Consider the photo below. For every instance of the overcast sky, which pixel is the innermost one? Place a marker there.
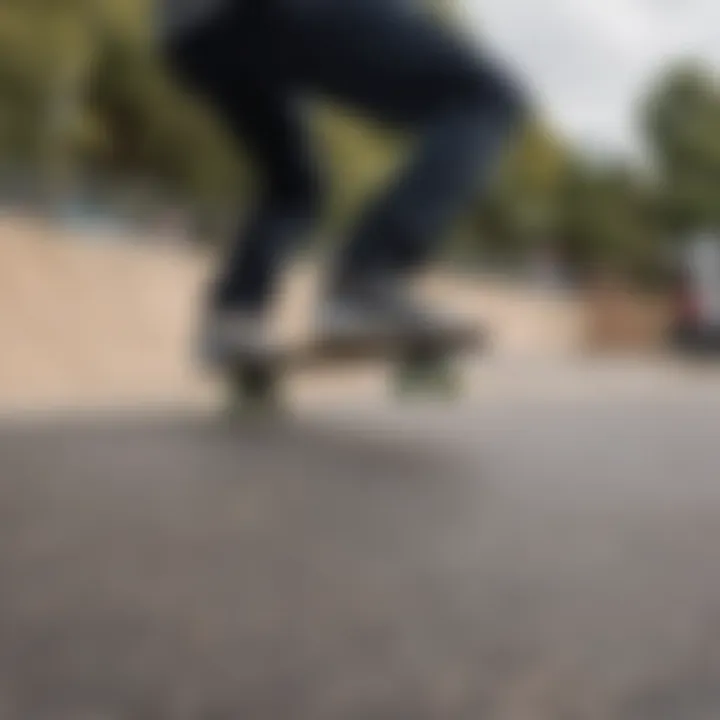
(587, 60)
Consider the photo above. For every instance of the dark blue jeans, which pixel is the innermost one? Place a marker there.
(257, 62)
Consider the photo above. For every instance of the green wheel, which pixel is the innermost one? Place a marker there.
(253, 390)
(427, 377)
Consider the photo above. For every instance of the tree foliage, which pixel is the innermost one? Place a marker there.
(83, 94)
(682, 123)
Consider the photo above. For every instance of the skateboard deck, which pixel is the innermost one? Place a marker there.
(421, 364)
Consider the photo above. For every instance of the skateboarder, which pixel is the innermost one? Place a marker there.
(255, 61)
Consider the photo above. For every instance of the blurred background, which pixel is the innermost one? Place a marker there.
(543, 549)
(609, 191)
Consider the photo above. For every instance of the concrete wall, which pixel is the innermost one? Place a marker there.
(102, 318)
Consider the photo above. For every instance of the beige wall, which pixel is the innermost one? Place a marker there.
(111, 320)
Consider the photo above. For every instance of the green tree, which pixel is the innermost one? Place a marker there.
(681, 119)
(608, 219)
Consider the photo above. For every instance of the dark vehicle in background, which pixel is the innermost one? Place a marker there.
(697, 317)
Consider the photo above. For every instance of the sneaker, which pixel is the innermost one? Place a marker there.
(381, 311)
(231, 334)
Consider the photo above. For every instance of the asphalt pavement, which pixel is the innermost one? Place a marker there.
(545, 549)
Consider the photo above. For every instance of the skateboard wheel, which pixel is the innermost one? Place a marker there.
(429, 376)
(253, 389)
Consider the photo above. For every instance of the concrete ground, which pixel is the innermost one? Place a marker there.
(525, 554)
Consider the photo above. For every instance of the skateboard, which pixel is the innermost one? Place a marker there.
(419, 365)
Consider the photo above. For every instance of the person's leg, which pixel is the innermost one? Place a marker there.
(228, 65)
(286, 207)
(398, 64)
